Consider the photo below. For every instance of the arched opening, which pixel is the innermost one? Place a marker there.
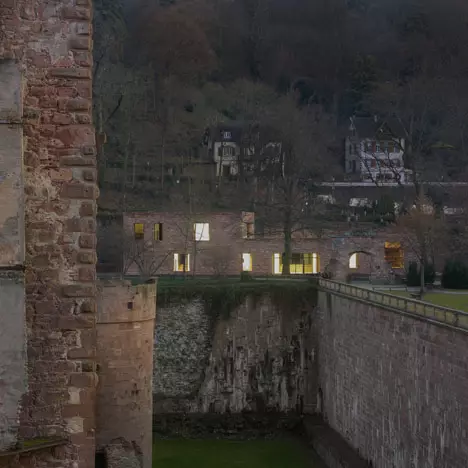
(359, 266)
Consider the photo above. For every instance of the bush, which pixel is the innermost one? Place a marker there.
(455, 275)
(429, 274)
(413, 277)
(245, 277)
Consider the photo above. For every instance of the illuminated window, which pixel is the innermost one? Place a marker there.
(246, 262)
(182, 262)
(301, 264)
(353, 261)
(394, 255)
(202, 232)
(311, 263)
(139, 230)
(158, 232)
(277, 264)
(297, 264)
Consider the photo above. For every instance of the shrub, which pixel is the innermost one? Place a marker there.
(246, 276)
(455, 275)
(412, 276)
(429, 274)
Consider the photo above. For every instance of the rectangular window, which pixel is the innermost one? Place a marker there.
(297, 264)
(301, 264)
(377, 147)
(394, 255)
(246, 262)
(202, 232)
(229, 151)
(373, 146)
(139, 230)
(366, 146)
(391, 147)
(182, 262)
(248, 230)
(277, 264)
(227, 135)
(158, 232)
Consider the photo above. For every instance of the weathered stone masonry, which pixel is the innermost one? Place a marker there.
(393, 386)
(49, 41)
(261, 358)
(125, 357)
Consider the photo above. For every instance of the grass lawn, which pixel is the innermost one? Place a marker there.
(453, 301)
(231, 454)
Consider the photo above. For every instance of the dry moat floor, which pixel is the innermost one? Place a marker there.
(232, 454)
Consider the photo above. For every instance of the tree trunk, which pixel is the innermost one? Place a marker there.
(422, 280)
(287, 242)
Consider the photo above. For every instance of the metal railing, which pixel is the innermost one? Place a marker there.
(438, 314)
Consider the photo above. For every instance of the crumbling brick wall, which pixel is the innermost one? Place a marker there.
(50, 41)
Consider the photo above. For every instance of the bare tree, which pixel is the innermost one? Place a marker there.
(421, 229)
(286, 176)
(218, 260)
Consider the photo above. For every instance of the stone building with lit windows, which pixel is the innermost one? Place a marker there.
(226, 244)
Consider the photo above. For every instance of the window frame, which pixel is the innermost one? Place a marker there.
(158, 231)
(202, 236)
(136, 232)
(177, 263)
(247, 266)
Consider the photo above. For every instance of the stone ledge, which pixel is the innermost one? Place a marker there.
(33, 446)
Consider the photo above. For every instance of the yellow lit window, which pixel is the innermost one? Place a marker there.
(353, 261)
(311, 263)
(158, 232)
(394, 255)
(301, 264)
(202, 232)
(139, 230)
(246, 262)
(182, 262)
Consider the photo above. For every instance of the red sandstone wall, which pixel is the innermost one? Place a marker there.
(226, 245)
(394, 387)
(52, 42)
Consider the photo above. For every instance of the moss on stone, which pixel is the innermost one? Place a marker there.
(221, 297)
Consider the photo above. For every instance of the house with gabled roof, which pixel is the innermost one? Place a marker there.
(374, 151)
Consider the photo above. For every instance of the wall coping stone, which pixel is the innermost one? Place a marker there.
(437, 315)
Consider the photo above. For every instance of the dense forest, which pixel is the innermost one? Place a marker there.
(165, 71)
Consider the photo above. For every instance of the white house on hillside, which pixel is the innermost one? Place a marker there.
(232, 144)
(374, 151)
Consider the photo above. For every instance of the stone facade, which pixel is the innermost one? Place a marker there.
(393, 386)
(223, 253)
(259, 359)
(45, 51)
(125, 333)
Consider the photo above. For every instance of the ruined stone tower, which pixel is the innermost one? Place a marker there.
(125, 334)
